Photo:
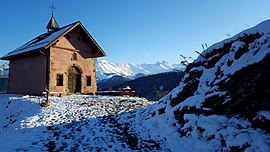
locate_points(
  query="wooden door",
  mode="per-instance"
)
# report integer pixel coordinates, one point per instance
(74, 80)
(71, 82)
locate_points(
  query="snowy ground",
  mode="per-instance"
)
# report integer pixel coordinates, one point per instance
(94, 123)
(71, 123)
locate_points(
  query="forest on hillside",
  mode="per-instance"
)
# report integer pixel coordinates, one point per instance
(148, 86)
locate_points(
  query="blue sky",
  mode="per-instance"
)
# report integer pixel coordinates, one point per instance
(135, 31)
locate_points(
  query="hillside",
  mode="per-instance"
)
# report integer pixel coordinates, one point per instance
(221, 104)
(113, 81)
(148, 86)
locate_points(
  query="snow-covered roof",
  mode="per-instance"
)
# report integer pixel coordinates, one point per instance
(45, 40)
(127, 88)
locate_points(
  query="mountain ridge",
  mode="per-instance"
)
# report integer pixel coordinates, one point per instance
(106, 69)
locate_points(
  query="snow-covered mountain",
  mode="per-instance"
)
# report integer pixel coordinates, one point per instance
(4, 69)
(158, 67)
(107, 69)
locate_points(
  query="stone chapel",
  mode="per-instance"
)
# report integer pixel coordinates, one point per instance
(61, 60)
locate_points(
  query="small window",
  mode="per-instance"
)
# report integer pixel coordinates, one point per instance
(59, 81)
(74, 56)
(78, 38)
(88, 80)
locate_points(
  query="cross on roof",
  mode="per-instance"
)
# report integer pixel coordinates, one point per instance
(53, 8)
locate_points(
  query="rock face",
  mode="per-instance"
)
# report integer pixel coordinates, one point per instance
(223, 101)
(228, 81)
(224, 90)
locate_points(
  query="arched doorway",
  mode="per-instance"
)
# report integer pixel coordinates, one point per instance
(74, 80)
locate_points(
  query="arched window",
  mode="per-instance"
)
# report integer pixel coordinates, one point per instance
(74, 56)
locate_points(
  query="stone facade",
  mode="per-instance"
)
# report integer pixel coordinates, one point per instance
(62, 59)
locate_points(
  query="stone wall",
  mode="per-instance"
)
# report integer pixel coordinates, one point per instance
(61, 59)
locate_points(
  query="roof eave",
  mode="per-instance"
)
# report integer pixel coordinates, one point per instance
(99, 55)
(8, 58)
(4, 58)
